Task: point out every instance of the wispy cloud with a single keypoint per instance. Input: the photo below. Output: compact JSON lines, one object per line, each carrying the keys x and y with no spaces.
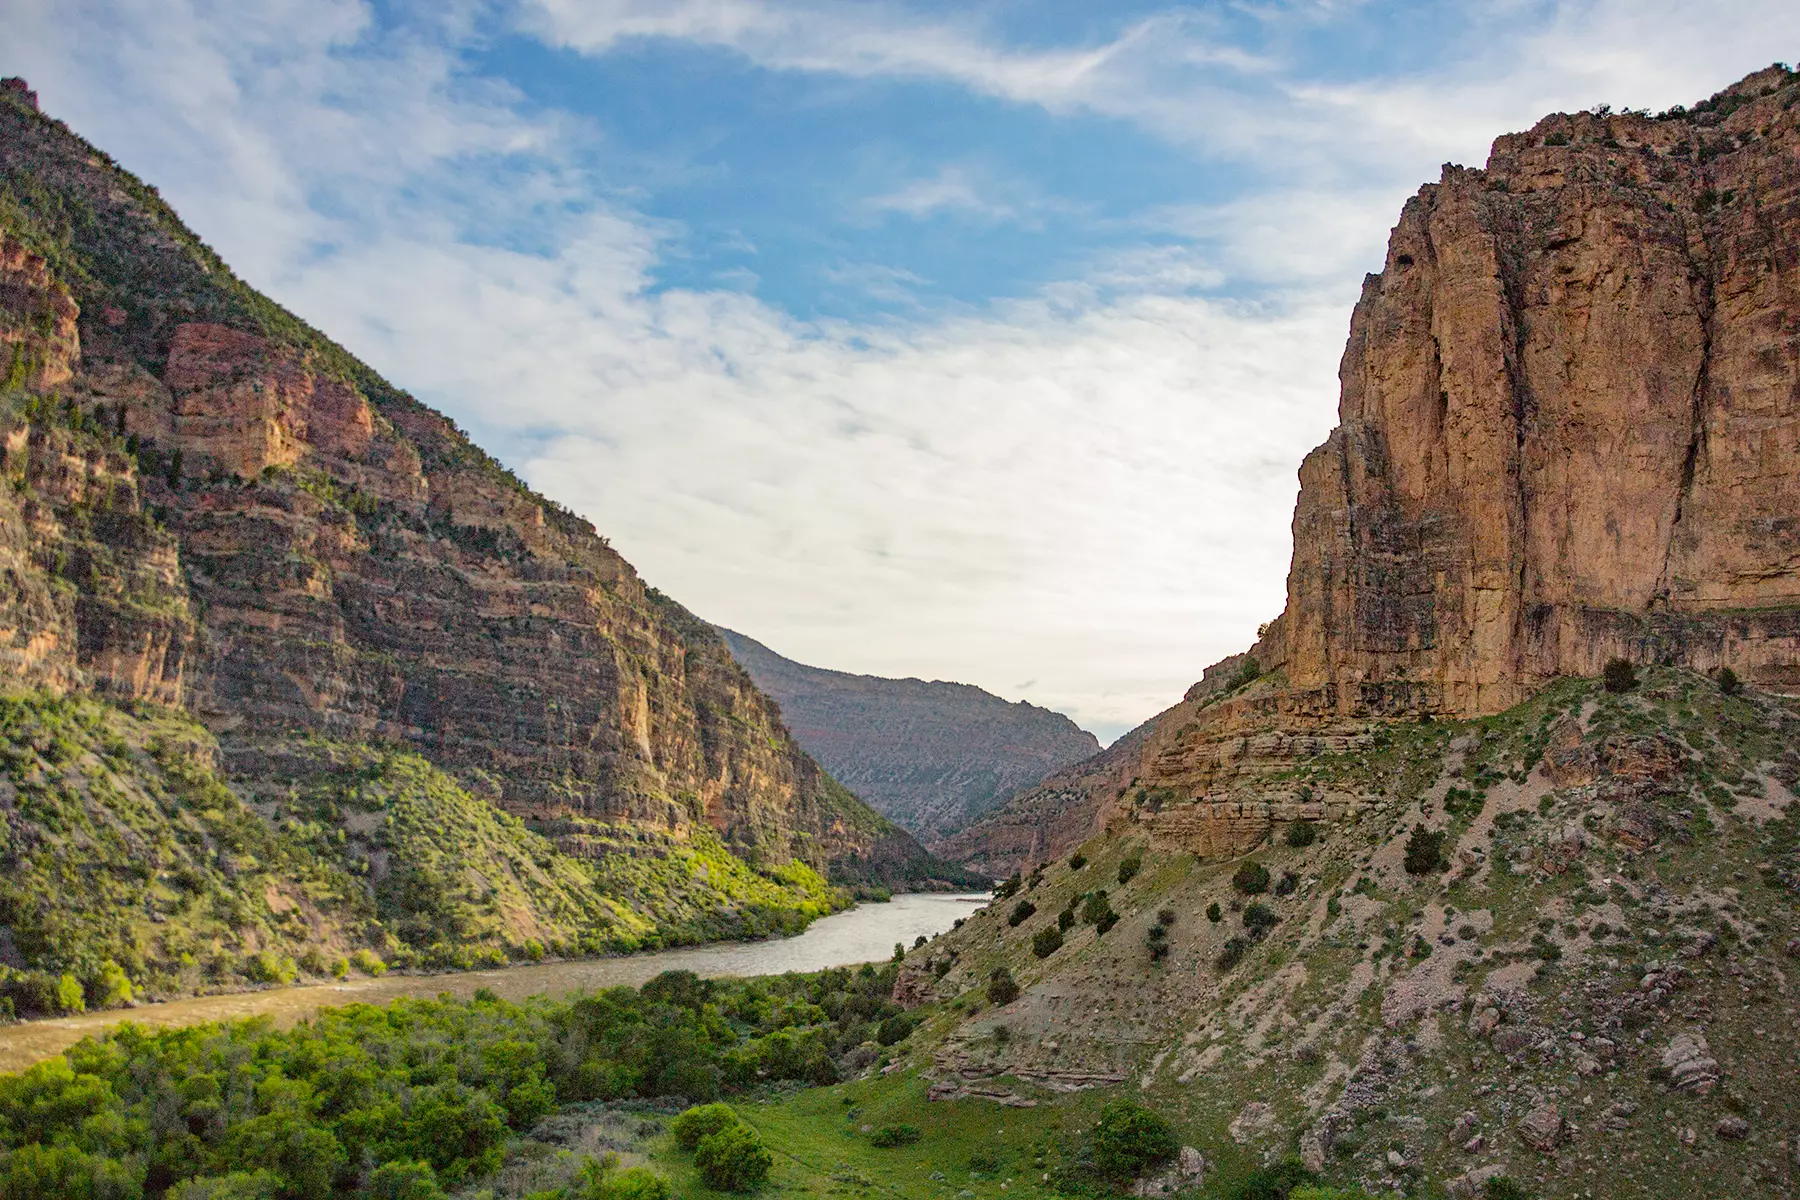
{"x":1080,"y":495}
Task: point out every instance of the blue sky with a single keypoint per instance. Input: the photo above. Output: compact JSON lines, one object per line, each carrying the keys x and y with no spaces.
{"x":977,"y":341}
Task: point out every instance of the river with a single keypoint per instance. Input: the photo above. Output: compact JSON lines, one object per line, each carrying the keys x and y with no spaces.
{"x":866,"y":933}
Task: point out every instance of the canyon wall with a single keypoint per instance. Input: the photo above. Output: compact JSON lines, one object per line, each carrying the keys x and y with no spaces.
{"x":262,"y":529}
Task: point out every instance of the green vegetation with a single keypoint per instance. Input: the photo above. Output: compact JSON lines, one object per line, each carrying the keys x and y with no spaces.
{"x":1046,"y":942}
{"x":1251,"y":878}
{"x":1002,"y":988}
{"x":428,"y":1091}
{"x":135,"y":871}
{"x":1077,"y":861}
{"x":1302,"y":834}
{"x":1129,"y":867}
{"x":1128,"y":1140}
{"x":1021,"y":913}
{"x":1425,"y":851}
{"x":1619,"y":676}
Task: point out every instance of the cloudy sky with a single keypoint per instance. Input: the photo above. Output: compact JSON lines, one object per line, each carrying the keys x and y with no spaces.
{"x":975,"y":340}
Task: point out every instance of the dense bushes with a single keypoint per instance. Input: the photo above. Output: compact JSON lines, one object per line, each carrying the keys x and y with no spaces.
{"x":1619,"y":675}
{"x":733,"y":1159}
{"x":1046,"y":942}
{"x":425,"y":1090}
{"x":1251,"y":878}
{"x":1424,"y":851}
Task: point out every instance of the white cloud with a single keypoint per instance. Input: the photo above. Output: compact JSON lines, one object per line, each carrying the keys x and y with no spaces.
{"x":1079,"y":498}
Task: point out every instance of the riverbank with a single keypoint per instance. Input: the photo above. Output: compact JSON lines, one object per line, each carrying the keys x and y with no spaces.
{"x":864,"y":933}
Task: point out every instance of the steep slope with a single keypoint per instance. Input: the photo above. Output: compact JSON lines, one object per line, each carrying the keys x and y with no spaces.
{"x":215,"y":508}
{"x":1584,"y":985}
{"x":930,"y":756}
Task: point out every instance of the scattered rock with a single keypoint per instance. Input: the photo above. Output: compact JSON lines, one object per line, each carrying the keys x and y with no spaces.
{"x":1396,"y":1159}
{"x":1476,"y":1144}
{"x":1182,"y":1175}
{"x":1473,"y":1181}
{"x":1732,"y":1128}
{"x":1463,"y":1129}
{"x":1256,"y":1119}
{"x":1483,"y":1022}
{"x":1690,"y":1067}
{"x":1543,"y":1128}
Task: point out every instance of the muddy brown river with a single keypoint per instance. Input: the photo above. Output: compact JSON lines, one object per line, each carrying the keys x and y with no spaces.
{"x":866,"y":933}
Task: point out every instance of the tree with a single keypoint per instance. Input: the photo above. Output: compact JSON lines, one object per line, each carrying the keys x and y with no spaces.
{"x":1424,"y":851}
{"x":1302,"y":833}
{"x":1001,"y":987}
{"x":1259,"y":919}
{"x":1130,"y":1138}
{"x":733,"y":1159}
{"x":34,"y":1172}
{"x":1214,"y":913}
{"x":404,"y":1180}
{"x":1619,"y":675}
{"x":1077,"y":861}
{"x":1021,"y":913}
{"x":1129,"y":867}
{"x":1251,"y":878}
{"x":1046,"y":942}
{"x":703,"y":1120}
{"x":1010,"y":888}
{"x":1728,"y":681}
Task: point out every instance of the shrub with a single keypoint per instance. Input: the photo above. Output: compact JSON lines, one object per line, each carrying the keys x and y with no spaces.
{"x":1424,"y":851}
{"x":1128,"y":868}
{"x":1047,"y":942}
{"x":701,"y":1121}
{"x":1021,"y":913}
{"x":239,"y":1185}
{"x":1729,"y":684}
{"x":1251,"y":878}
{"x":112,"y":987}
{"x":894,"y":1135}
{"x":1247,"y":674}
{"x":1503,"y":1187}
{"x":1259,"y":919}
{"x":633,"y":1183}
{"x":1129,"y":1138}
{"x":369,"y":963}
{"x":34,"y":1172}
{"x":1302,"y":833}
{"x":1619,"y":675}
{"x":1095,"y":907}
{"x":1165,"y":916}
{"x":1214,"y":913}
{"x":1010,"y":888}
{"x":1278,"y":1182}
{"x":1064,"y":919}
{"x":404,"y":1180}
{"x":1077,"y":861}
{"x":893,"y":1031}
{"x":733,"y":1159}
{"x":1233,"y":953}
{"x":1157,"y":941}
{"x":1001,"y":987}
{"x":1287,"y":884}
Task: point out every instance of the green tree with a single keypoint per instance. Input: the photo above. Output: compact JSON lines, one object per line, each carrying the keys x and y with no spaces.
{"x":1251,"y":878}
{"x":239,"y":1185}
{"x":1424,"y":851}
{"x":1129,"y":867}
{"x":1214,"y":913}
{"x":1130,"y":1138}
{"x":404,"y":1180}
{"x":1046,"y":942}
{"x":34,"y":1172}
{"x":733,"y":1159}
{"x":1619,"y":675}
{"x":1728,"y":681}
{"x":1302,"y":833}
{"x":1001,"y":987}
{"x":1021,"y":913}
{"x":701,"y":1121}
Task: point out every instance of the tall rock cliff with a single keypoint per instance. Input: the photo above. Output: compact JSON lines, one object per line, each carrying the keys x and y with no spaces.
{"x":1570,"y":420}
{"x":1569,"y":431}
{"x":216,"y":507}
{"x":931,"y":756}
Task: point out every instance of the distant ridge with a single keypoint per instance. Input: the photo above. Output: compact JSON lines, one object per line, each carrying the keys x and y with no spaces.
{"x":931,"y":756}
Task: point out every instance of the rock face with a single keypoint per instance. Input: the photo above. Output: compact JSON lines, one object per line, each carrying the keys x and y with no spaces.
{"x":281,"y":540}
{"x":930,"y":756}
{"x":1569,"y":430}
{"x":1568,"y":425}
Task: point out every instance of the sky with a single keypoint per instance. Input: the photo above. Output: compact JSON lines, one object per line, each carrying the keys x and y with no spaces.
{"x":976,"y":341}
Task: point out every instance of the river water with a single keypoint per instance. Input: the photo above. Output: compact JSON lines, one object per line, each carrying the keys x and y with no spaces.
{"x":866,"y":933}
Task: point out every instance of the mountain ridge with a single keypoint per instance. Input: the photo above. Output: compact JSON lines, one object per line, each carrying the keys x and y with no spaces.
{"x":930,"y":754}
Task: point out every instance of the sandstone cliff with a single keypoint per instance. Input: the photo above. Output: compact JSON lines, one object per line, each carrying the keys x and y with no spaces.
{"x":931,"y":756}
{"x":1570,"y":421}
{"x":1569,"y":430}
{"x":257,"y":526}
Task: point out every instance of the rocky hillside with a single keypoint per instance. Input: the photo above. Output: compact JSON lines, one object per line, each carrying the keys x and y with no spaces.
{"x":1561,"y":944}
{"x":213,"y":508}
{"x":930,"y":756}
{"x":1569,"y":431}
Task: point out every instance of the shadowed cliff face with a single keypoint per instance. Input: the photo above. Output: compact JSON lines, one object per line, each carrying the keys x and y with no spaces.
{"x":1569,"y":431}
{"x":931,"y":755}
{"x":283,"y":541}
{"x":1570,"y":421}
